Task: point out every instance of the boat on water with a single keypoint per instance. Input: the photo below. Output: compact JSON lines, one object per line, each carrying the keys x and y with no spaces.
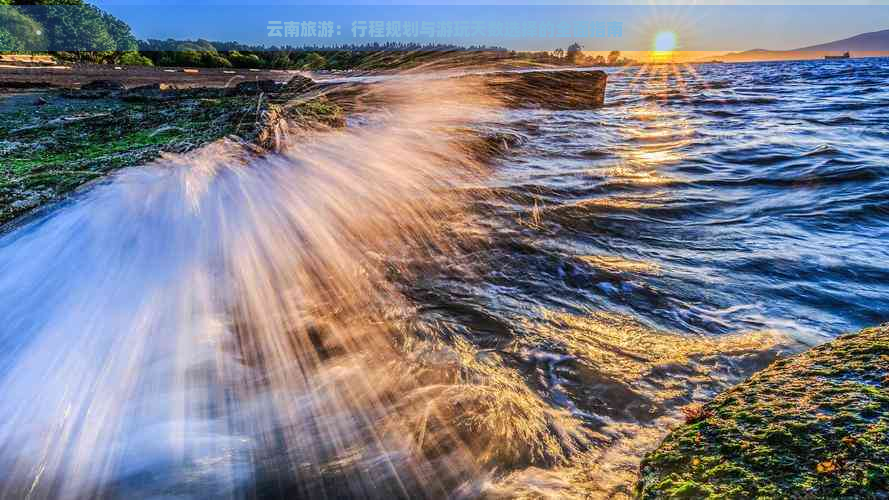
{"x":844,"y":56}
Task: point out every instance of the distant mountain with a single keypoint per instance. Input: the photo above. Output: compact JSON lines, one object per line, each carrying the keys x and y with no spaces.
{"x":864,"y":45}
{"x":876,"y":41}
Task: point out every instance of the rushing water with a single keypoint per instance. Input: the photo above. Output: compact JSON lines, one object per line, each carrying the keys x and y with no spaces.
{"x":384,"y":312}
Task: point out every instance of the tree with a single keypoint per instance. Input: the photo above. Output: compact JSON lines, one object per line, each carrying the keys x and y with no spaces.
{"x":573,"y":52}
{"x":240,"y":60}
{"x":46,"y":2}
{"x":7,"y":42}
{"x":281,"y":61}
{"x":613,"y":57}
{"x":74,"y":25}
{"x":186,"y":58}
{"x":314,"y":60}
{"x":78,"y":27}
{"x":559,"y":53}
{"x":214,"y":60}
{"x":134,"y":59}
{"x":20,"y":32}
{"x":121,"y":33}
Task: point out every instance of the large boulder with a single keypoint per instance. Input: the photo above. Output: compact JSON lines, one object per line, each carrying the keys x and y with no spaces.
{"x":298,"y":84}
{"x":106,"y":85}
{"x":254,"y":87}
{"x":96,"y":89}
{"x":151,"y":93}
{"x":556,"y":89}
{"x":812,"y":426}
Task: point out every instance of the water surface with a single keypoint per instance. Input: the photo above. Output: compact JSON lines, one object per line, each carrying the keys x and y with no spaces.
{"x":376,"y":312}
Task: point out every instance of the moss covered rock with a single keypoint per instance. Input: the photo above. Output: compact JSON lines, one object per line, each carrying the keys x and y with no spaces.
{"x":812,"y":426}
{"x":48,"y":150}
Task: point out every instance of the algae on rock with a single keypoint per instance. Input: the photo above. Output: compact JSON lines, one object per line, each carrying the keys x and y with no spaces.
{"x":53,"y":145}
{"x":811,"y":426}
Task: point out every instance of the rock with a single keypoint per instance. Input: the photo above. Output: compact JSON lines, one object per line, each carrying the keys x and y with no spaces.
{"x":298,"y":84}
{"x":6,"y":84}
{"x":96,"y":89}
{"x":151,"y":93}
{"x":40,"y":101}
{"x":560,"y":89}
{"x":108,"y":85}
{"x":812,"y":426}
{"x":63,"y":147}
{"x":256,"y":87}
{"x":153,"y":87}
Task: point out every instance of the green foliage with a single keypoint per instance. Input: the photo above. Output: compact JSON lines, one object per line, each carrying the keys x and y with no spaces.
{"x":187,"y":58}
{"x":74,"y":25}
{"x":281,"y":60}
{"x":314,"y":60}
{"x":121,"y":33}
{"x":7,"y":42}
{"x":134,"y":59}
{"x":193,"y":58}
{"x":240,"y":60}
{"x":80,"y":27}
{"x":197,"y":46}
{"x":212,"y":60}
{"x":21,"y":31}
{"x":57,"y":147}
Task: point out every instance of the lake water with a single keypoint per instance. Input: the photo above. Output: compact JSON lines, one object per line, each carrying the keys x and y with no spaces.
{"x":375,"y":312}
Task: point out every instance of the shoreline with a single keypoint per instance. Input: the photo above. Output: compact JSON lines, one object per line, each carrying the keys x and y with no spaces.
{"x":58,"y":140}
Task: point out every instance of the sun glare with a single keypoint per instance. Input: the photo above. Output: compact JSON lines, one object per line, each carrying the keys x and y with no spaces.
{"x":664,"y":44}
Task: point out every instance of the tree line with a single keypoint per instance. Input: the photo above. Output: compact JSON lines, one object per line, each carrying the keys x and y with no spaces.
{"x":204,"y":53}
{"x":61,"y":26}
{"x":74,"y":31}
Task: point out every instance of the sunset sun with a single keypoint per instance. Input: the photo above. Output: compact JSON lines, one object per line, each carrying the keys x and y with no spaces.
{"x":664,"y":44}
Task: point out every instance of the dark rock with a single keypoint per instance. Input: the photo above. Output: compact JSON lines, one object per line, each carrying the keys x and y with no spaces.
{"x":96,"y":89}
{"x":40,"y":101}
{"x":104,"y":85}
{"x":151,"y":93}
{"x":153,"y":87}
{"x":256,"y":87}
{"x":563,"y":89}
{"x":298,"y":84}
{"x":25,"y":85}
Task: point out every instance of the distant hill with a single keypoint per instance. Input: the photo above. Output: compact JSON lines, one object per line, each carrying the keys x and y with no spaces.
{"x":876,"y":41}
{"x":872,"y":44}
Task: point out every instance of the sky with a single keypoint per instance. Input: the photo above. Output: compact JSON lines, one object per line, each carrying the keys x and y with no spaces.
{"x":705,"y":26}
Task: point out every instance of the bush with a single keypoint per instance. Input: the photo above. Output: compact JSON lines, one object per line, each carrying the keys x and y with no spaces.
{"x":314,"y":60}
{"x":212,"y":60}
{"x":134,"y":59}
{"x":244,"y":60}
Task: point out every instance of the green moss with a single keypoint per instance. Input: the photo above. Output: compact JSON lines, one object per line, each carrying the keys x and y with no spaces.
{"x":810,"y":426}
{"x":52,"y":149}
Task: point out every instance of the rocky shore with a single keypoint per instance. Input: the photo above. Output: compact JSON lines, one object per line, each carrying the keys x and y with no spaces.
{"x":811,"y":426}
{"x":54,"y":140}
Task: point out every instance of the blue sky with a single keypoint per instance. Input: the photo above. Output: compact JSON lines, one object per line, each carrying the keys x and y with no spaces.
{"x":729,"y":26}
